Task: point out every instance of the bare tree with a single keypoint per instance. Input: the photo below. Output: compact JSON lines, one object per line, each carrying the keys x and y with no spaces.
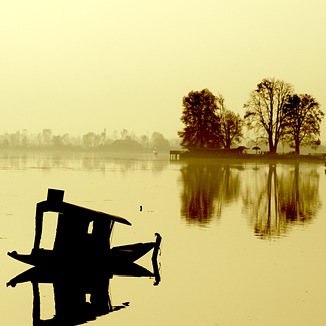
{"x":265,"y":110}
{"x":230,"y":124}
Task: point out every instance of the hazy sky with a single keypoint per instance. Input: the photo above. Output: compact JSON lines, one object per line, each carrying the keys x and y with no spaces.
{"x":84,"y":65}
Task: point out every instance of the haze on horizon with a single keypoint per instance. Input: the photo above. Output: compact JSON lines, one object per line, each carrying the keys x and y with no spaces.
{"x":78,"y":66}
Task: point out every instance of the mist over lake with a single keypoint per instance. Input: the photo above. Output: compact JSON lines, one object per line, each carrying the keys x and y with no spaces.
{"x":243,"y":243}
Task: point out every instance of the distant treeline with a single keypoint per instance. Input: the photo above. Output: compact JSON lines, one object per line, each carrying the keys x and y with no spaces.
{"x":118,"y":141}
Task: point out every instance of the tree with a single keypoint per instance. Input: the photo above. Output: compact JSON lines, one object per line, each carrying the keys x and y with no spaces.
{"x":89,"y":139}
{"x":144,"y":141}
{"x":201,"y":120}
{"x":159,"y":143}
{"x":57,"y":140}
{"x":103,"y":137}
{"x":303,"y":118}
{"x":230,"y":124}
{"x":125,"y":134}
{"x":265,"y":110}
{"x":47,"y":135}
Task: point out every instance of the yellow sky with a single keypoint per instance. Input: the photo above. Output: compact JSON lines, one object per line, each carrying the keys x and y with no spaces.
{"x":78,"y":65}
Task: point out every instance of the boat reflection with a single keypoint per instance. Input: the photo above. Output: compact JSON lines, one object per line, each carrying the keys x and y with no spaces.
{"x":279,"y":198}
{"x":80,"y":295}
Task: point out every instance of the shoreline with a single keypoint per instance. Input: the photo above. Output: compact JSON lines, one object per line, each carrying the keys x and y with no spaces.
{"x":185,"y":156}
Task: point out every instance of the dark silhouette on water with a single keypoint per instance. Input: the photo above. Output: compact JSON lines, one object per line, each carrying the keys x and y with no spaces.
{"x":71,"y":288}
{"x":277,"y":198}
{"x":82,"y":237}
{"x":82,"y":262}
{"x":206,"y":188}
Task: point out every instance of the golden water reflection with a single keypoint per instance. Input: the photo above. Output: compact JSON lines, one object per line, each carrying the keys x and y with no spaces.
{"x":274,"y":197}
{"x":280,"y":197}
{"x":207,"y":188}
{"x":75,"y":160}
{"x":223,"y":263}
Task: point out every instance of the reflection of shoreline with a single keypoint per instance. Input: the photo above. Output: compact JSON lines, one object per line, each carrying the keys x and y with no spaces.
{"x":274,"y":201}
{"x":82,"y":160}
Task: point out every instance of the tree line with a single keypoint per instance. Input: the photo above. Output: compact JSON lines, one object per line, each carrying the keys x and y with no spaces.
{"x":123,"y":140}
{"x":274,"y":114}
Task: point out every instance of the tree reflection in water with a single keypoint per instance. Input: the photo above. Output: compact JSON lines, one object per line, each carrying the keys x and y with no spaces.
{"x":206,"y":189}
{"x":276,"y":199}
{"x":274,"y":196}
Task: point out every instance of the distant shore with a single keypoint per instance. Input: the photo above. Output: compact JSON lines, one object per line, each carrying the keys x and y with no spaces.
{"x":185,"y":155}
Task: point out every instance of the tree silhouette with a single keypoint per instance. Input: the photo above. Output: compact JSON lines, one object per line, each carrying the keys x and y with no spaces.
{"x":201,"y":121}
{"x":265,"y":110}
{"x":230,"y":124}
{"x":303,"y":118}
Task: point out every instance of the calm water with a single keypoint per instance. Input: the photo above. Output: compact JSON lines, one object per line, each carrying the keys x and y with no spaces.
{"x":243,"y":244}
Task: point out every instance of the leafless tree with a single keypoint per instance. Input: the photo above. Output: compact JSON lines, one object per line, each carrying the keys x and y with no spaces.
{"x":265,"y":110}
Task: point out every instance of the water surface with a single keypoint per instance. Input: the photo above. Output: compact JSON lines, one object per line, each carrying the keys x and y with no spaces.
{"x":243,"y":244}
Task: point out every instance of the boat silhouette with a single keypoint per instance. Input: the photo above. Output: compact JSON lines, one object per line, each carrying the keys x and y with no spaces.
{"x":75,"y":244}
{"x":81,"y":263}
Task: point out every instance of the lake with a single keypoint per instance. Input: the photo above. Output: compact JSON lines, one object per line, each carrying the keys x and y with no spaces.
{"x":242,"y":243}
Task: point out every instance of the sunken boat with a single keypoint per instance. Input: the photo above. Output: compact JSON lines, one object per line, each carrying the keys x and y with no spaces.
{"x":76,"y":244}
